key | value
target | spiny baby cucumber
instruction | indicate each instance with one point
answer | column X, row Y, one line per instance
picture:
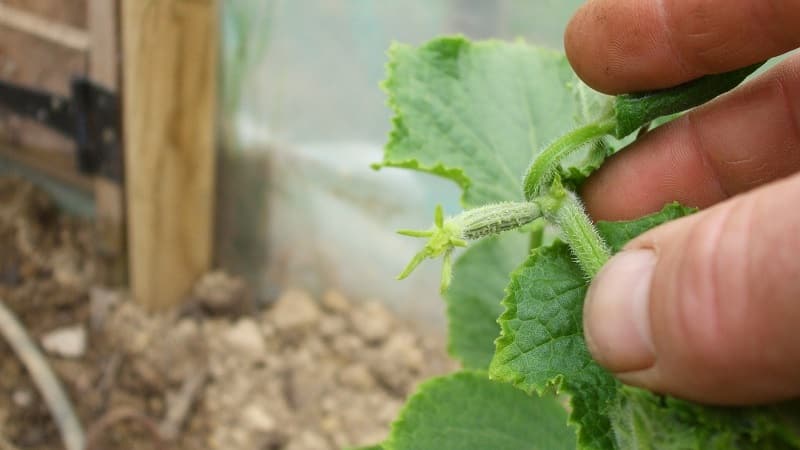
column 472, row 224
column 544, row 194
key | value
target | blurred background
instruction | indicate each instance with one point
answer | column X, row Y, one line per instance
column 302, row 119
column 191, row 236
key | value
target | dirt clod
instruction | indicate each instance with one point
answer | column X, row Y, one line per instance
column 372, row 321
column 221, row 293
column 294, row 311
column 305, row 373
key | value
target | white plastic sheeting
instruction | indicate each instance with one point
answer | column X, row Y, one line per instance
column 303, row 117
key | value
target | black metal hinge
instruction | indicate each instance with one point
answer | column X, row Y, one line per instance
column 90, row 116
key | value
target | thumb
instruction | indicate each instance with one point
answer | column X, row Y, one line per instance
column 707, row 307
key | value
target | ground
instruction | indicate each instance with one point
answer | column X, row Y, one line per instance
column 220, row 373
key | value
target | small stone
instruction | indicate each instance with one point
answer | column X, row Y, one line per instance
column 179, row 352
column 403, row 349
column 156, row 405
column 267, row 329
column 295, row 310
column 331, row 326
column 372, row 321
column 22, row 398
column 334, row 301
column 308, row 440
column 330, row 424
column 221, row 292
column 119, row 398
column 65, row 264
column 101, row 303
column 387, row 410
column 357, row 376
column 347, row 345
column 329, row 403
column 68, row 342
column 303, row 385
column 149, row 374
column 256, row 417
column 246, row 337
column 368, row 436
column 131, row 329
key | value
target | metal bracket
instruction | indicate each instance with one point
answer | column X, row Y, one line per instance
column 90, row 116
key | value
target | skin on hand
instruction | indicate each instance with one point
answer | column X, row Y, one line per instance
column 706, row 307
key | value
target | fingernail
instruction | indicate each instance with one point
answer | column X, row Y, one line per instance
column 616, row 316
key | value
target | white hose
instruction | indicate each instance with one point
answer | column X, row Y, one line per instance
column 57, row 401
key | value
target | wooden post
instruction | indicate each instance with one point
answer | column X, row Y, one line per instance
column 169, row 90
column 103, row 24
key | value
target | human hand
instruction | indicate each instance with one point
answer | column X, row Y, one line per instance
column 707, row 307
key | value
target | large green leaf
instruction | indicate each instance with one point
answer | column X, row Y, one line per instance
column 476, row 113
column 467, row 411
column 473, row 301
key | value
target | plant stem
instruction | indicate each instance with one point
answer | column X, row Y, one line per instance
column 53, row 393
column 544, row 165
column 590, row 251
column 631, row 111
column 537, row 234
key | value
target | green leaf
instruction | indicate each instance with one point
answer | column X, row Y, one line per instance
column 467, row 411
column 476, row 113
column 473, row 301
column 617, row 234
column 541, row 342
column 646, row 421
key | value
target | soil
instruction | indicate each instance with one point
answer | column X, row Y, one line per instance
column 220, row 373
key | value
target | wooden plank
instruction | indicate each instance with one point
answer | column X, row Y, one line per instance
column 49, row 30
column 104, row 43
column 169, row 73
column 68, row 12
column 59, row 166
column 103, row 21
column 30, row 61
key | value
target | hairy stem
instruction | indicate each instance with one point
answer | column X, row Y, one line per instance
column 589, row 249
column 545, row 164
column 537, row 234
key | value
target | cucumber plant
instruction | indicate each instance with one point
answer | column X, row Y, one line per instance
column 487, row 115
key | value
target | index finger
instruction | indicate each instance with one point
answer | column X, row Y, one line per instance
column 634, row 45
